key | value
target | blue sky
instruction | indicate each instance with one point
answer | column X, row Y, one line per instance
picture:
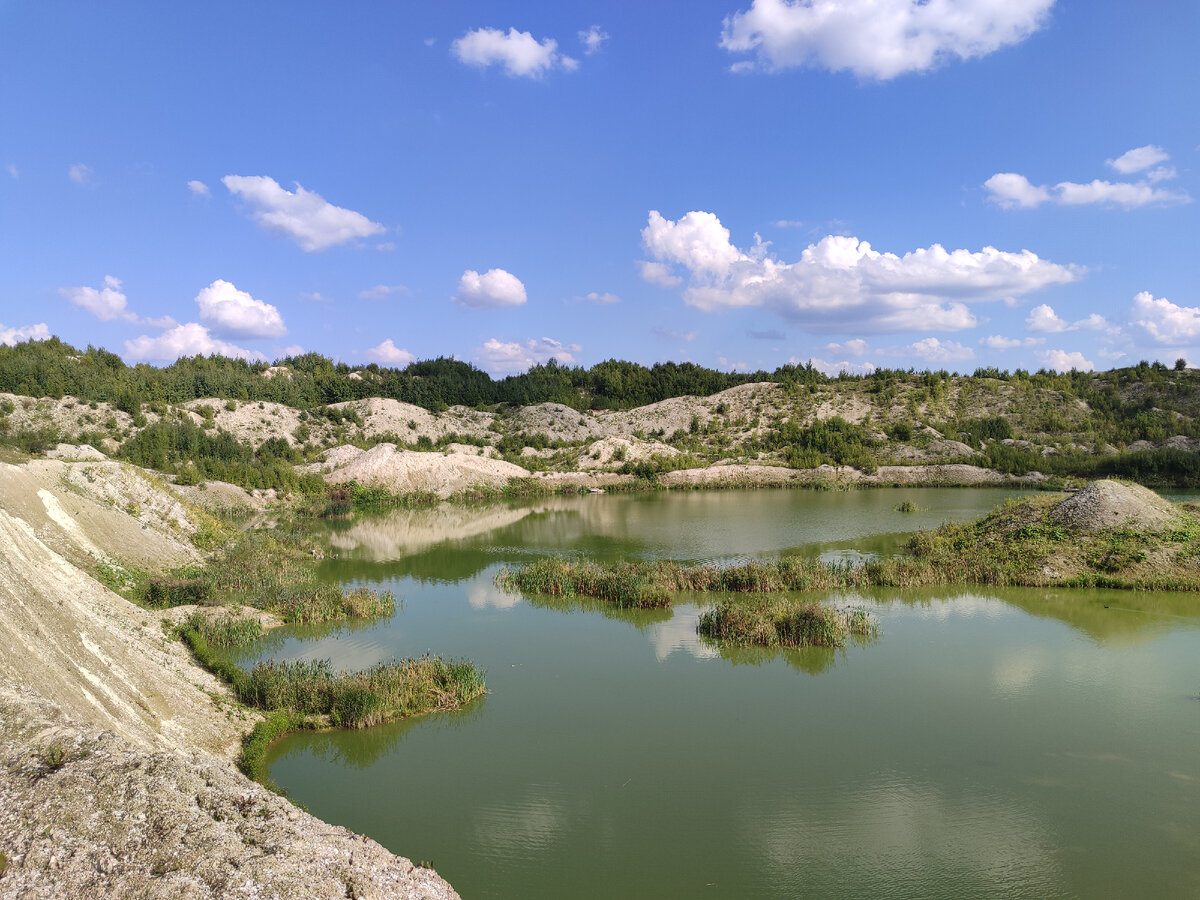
column 739, row 183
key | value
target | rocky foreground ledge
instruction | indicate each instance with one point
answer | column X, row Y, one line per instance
column 101, row 817
column 117, row 777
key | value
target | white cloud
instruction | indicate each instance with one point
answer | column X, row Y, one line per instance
column 1161, row 173
column 192, row 339
column 507, row 357
column 877, row 38
column 833, row 369
column 494, row 288
column 106, row 304
column 11, row 336
column 382, row 291
column 290, row 350
column 605, row 298
column 999, row 342
column 79, row 173
column 304, row 217
column 199, row 188
column 518, row 52
column 387, row 352
column 841, row 282
column 1138, row 158
column 1164, row 321
column 12, row 170
column 593, row 39
column 1063, row 361
column 855, row 347
column 932, row 350
column 1044, row 319
column 788, row 223
column 1121, row 193
column 235, row 313
column 698, row 241
column 1010, row 190
column 725, row 363
column 658, row 273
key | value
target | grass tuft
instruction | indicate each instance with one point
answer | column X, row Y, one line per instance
column 784, row 622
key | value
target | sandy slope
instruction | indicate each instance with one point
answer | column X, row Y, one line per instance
column 148, row 803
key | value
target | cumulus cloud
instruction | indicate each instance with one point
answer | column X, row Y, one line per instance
column 1166, row 322
column 1063, row 361
column 1120, row 193
column 603, row 298
column 79, row 173
column 106, row 303
column 1012, row 191
column 1138, row 158
column 12, row 171
column 494, row 288
column 235, row 313
column 592, row 39
column 833, row 369
column 192, row 339
column 933, row 350
column 1044, row 319
column 11, row 336
column 199, row 188
column 518, row 52
column 304, row 217
column 855, row 347
column 999, row 342
column 878, row 39
column 841, row 282
column 389, row 354
column 658, row 273
column 508, row 357
column 383, row 291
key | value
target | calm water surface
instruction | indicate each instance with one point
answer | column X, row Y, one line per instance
column 1016, row 743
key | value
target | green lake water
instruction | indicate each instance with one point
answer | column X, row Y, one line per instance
column 989, row 743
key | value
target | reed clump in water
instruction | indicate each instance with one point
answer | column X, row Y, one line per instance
column 646, row 585
column 386, row 691
column 784, row 622
column 302, row 694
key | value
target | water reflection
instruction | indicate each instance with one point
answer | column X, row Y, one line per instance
column 528, row 826
column 899, row 837
column 451, row 542
column 405, row 532
column 678, row 634
column 364, row 747
column 483, row 593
